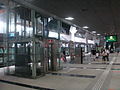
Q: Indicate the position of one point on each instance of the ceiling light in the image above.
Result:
(86, 27)
(93, 32)
(69, 18)
(98, 34)
(18, 5)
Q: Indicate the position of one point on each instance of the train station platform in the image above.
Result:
(96, 75)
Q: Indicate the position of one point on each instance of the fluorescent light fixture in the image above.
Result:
(65, 37)
(93, 32)
(53, 34)
(81, 40)
(69, 18)
(98, 34)
(91, 42)
(86, 27)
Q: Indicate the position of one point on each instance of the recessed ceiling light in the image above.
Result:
(98, 34)
(69, 18)
(86, 27)
(93, 32)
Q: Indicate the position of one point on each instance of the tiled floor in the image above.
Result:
(5, 86)
(72, 77)
(115, 76)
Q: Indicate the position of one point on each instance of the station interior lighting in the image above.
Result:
(98, 34)
(93, 32)
(85, 27)
(69, 18)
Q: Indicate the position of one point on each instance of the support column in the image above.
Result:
(7, 37)
(45, 32)
(86, 37)
(34, 46)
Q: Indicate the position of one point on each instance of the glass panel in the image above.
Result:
(39, 24)
(23, 60)
(39, 58)
(3, 14)
(52, 26)
(20, 29)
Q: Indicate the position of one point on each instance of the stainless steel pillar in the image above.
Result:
(33, 42)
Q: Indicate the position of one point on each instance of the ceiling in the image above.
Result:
(102, 16)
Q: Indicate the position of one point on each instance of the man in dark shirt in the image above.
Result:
(64, 53)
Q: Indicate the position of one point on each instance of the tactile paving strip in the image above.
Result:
(103, 77)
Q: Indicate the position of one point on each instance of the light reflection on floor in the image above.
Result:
(4, 70)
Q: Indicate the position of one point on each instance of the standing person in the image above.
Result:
(94, 54)
(117, 51)
(64, 53)
(97, 54)
(107, 51)
(104, 55)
